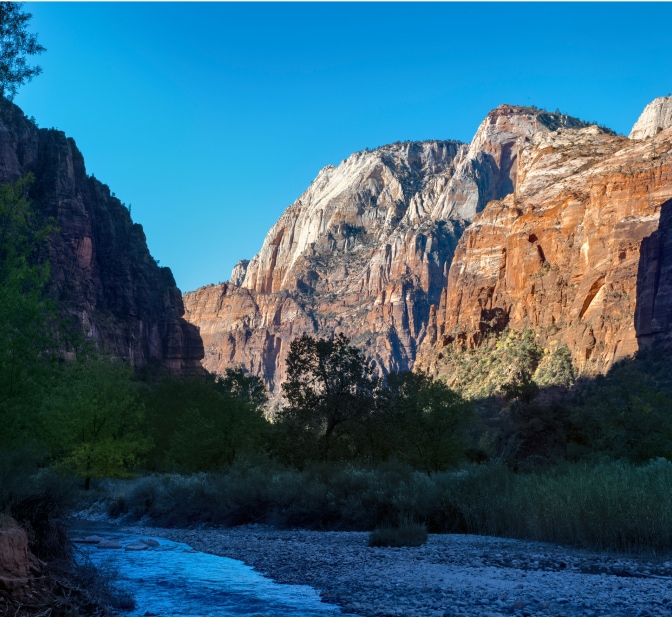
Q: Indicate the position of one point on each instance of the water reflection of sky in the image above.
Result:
(173, 580)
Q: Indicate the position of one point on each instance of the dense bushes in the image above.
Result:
(627, 413)
(611, 506)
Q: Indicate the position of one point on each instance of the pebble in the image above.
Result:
(449, 576)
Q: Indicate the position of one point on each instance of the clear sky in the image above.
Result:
(211, 118)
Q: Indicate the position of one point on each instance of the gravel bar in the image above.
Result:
(450, 576)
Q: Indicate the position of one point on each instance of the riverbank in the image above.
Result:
(450, 576)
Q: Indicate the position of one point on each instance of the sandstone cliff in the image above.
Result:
(579, 252)
(103, 275)
(365, 250)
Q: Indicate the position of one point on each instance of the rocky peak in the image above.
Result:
(656, 117)
(365, 196)
(578, 253)
(365, 250)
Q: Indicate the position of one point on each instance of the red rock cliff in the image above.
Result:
(581, 252)
(103, 275)
(364, 251)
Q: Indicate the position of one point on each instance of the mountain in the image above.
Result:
(102, 274)
(365, 250)
(580, 253)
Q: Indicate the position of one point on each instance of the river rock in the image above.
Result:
(110, 544)
(150, 542)
(90, 540)
(136, 546)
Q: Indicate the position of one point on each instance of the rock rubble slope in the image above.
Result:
(365, 250)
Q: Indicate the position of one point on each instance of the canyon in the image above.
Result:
(542, 222)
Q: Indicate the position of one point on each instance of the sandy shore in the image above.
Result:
(451, 575)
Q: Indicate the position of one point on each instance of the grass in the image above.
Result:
(613, 506)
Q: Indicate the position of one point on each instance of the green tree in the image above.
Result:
(16, 45)
(420, 421)
(330, 389)
(203, 423)
(556, 369)
(246, 387)
(95, 420)
(25, 341)
(626, 413)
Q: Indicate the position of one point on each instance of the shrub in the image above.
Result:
(613, 506)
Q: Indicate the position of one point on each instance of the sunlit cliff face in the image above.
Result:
(365, 250)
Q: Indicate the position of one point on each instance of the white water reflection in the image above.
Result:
(173, 580)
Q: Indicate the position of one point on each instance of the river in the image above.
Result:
(173, 580)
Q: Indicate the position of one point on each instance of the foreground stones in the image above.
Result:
(451, 575)
(111, 543)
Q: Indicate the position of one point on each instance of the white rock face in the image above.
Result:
(239, 271)
(656, 117)
(365, 250)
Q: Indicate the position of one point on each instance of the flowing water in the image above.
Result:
(173, 580)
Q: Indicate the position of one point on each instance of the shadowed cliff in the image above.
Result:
(102, 274)
(653, 312)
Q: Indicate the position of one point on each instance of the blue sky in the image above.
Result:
(211, 118)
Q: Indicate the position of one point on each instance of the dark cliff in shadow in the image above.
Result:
(102, 274)
(653, 311)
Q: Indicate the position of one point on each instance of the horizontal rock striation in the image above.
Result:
(102, 273)
(365, 250)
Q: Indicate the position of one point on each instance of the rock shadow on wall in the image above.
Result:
(653, 309)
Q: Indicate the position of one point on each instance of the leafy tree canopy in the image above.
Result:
(203, 423)
(421, 421)
(95, 419)
(330, 385)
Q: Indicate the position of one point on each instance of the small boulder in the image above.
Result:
(110, 544)
(17, 563)
(150, 542)
(90, 540)
(136, 546)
